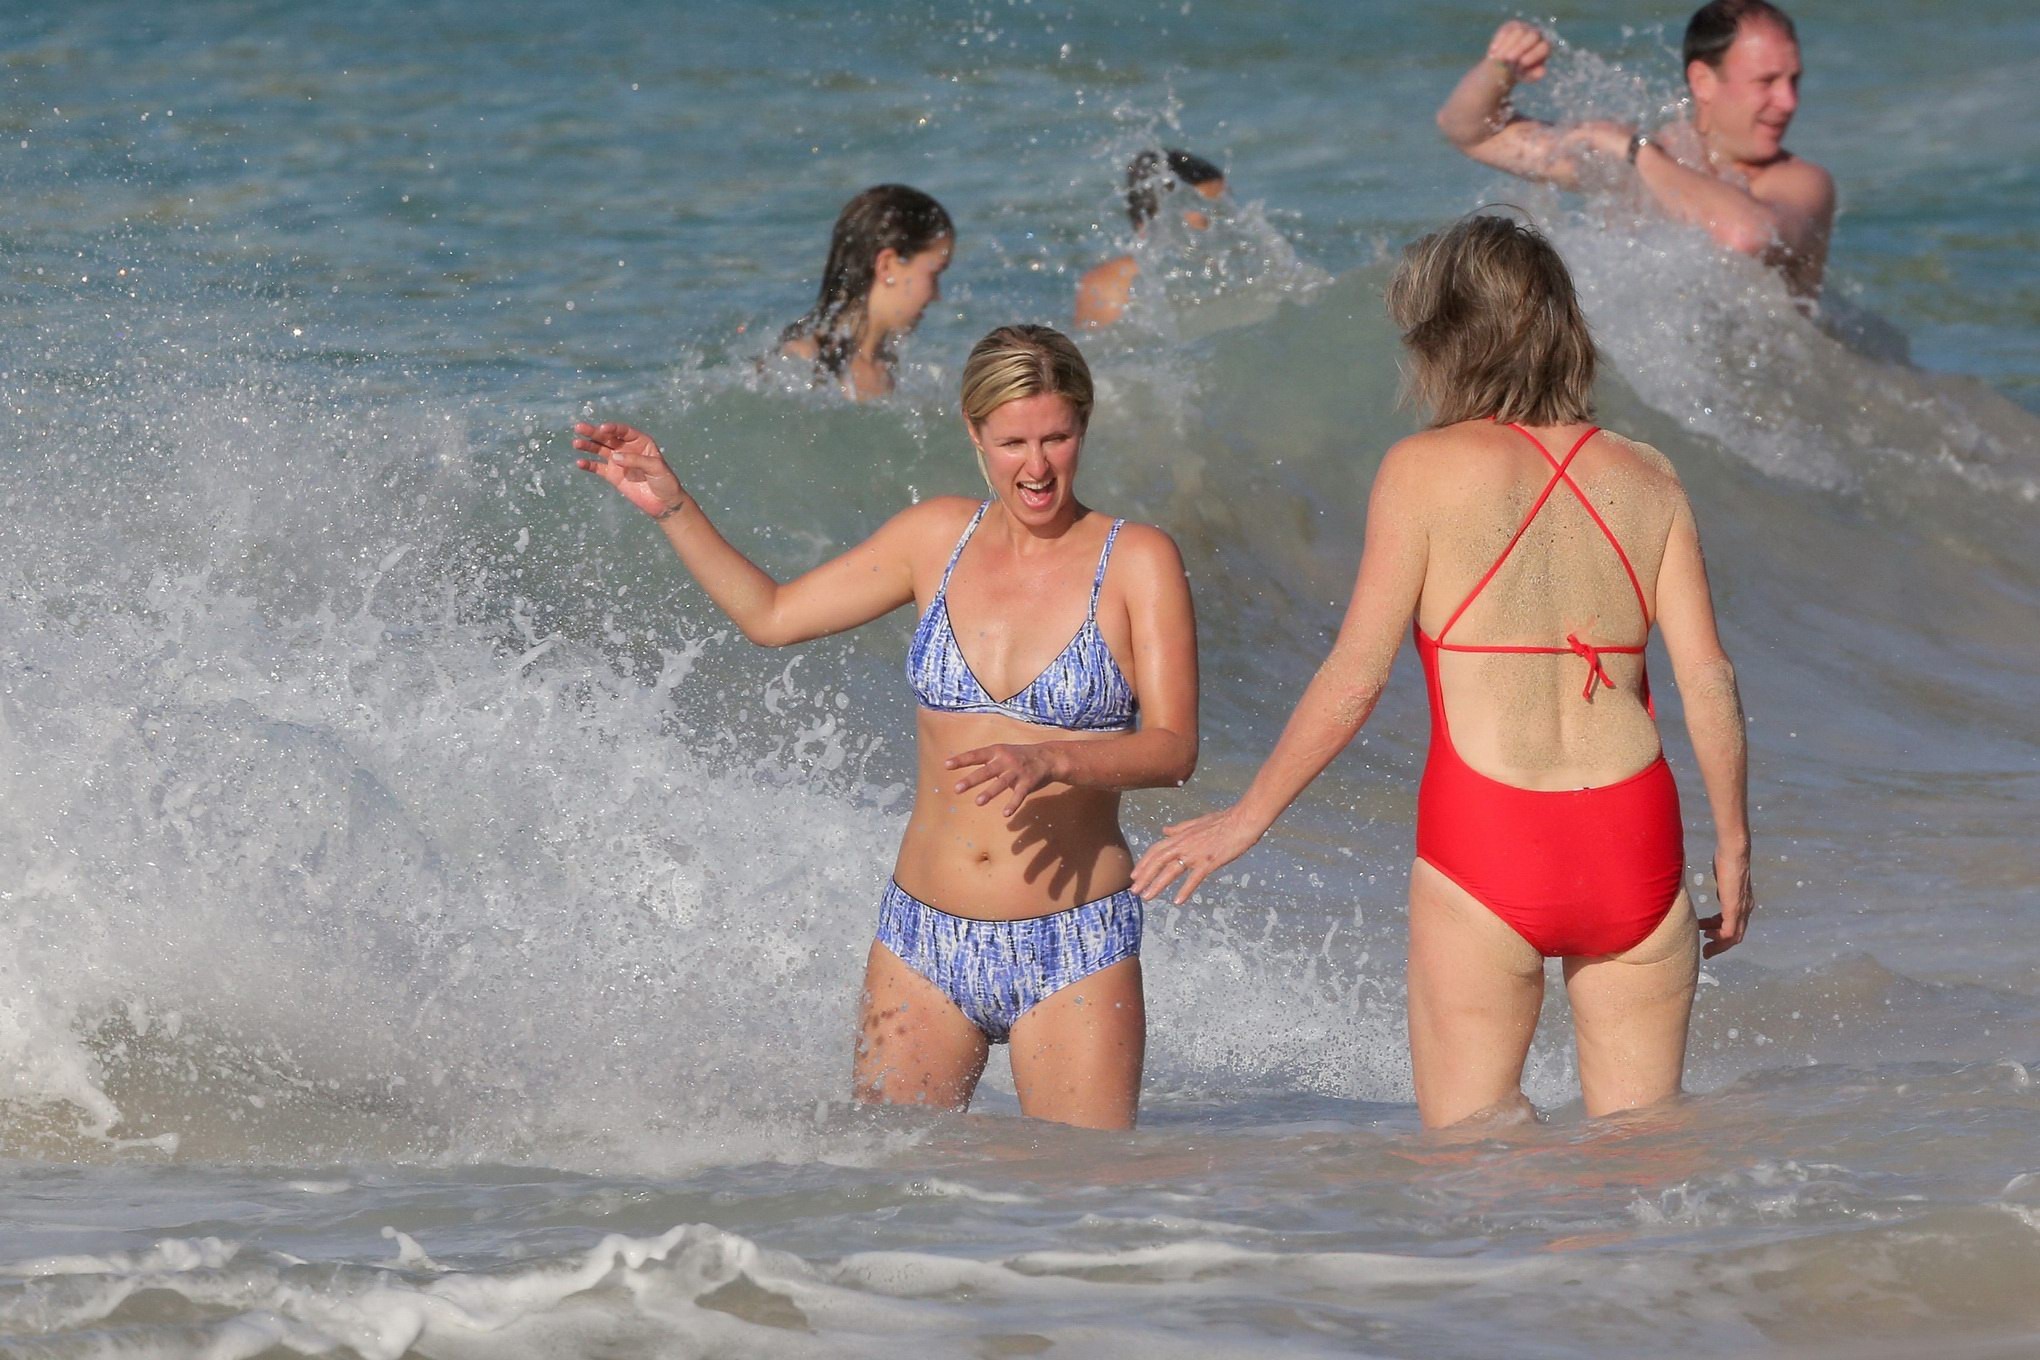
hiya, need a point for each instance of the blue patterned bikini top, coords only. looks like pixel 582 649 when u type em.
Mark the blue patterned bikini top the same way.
pixel 1082 690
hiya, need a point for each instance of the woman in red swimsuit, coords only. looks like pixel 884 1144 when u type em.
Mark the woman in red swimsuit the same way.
pixel 1529 553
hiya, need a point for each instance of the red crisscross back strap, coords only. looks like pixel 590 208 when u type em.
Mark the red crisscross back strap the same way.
pixel 1590 652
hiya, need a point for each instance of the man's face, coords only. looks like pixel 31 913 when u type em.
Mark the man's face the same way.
pixel 1747 104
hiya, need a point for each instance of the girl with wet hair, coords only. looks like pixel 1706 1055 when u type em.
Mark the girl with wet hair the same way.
pixel 1529 553
pixel 1054 666
pixel 886 258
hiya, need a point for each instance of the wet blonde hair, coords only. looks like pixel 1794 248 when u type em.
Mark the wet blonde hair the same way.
pixel 1016 362
pixel 1493 327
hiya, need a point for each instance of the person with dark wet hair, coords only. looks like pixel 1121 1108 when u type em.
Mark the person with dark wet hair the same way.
pixel 1103 292
pixel 886 258
pixel 1724 169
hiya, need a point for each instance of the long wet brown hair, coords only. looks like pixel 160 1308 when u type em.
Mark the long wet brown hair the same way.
pixel 883 217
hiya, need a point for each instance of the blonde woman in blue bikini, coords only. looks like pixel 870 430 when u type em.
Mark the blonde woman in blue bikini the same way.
pixel 1009 918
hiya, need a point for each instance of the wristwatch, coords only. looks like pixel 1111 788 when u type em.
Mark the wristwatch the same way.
pixel 1638 140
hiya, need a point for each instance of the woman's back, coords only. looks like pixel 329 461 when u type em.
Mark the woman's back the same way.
pixel 1535 554
pixel 1535 604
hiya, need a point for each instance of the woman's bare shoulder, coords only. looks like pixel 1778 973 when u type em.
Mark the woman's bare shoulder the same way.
pixel 927 528
pixel 1650 473
pixel 1645 454
pixel 1467 441
pixel 1146 564
pixel 1149 545
pixel 938 515
pixel 1439 465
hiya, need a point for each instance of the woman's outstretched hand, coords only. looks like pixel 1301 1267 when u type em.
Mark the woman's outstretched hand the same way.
pixel 628 460
pixel 1018 770
pixel 1195 850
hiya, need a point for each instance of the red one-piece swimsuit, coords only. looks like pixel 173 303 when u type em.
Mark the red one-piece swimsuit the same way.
pixel 1573 871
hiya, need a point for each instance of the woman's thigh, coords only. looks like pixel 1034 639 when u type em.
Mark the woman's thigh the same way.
pixel 1630 1013
pixel 1475 987
pixel 914 1047
pixel 1077 1054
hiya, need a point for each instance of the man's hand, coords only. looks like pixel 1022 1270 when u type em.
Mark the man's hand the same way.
pixel 1476 116
pixel 1521 49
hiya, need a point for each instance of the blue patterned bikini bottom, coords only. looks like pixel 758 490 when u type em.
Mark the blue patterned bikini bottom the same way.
pixel 996 971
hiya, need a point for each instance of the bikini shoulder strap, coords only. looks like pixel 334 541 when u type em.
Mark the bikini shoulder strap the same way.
pixel 1098 581
pixel 957 552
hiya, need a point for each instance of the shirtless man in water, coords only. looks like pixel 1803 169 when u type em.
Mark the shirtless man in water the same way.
pixel 1725 169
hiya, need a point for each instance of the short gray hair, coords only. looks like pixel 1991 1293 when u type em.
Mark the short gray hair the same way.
pixel 1492 325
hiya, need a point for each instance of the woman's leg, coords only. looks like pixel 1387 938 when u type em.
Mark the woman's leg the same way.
pixel 914 1047
pixel 1077 1054
pixel 1475 989
pixel 1630 1012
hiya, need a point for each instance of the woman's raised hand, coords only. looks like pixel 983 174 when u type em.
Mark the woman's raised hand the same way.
pixel 628 460
pixel 1195 850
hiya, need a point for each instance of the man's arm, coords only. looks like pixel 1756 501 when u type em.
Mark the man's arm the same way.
pixel 1801 196
pixel 1783 218
pixel 1477 119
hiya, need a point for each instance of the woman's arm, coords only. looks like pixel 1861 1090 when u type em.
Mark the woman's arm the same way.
pixel 871 579
pixel 1339 697
pixel 1164 676
pixel 1714 720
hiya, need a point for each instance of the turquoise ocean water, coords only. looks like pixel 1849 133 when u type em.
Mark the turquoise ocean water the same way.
pixel 425 929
